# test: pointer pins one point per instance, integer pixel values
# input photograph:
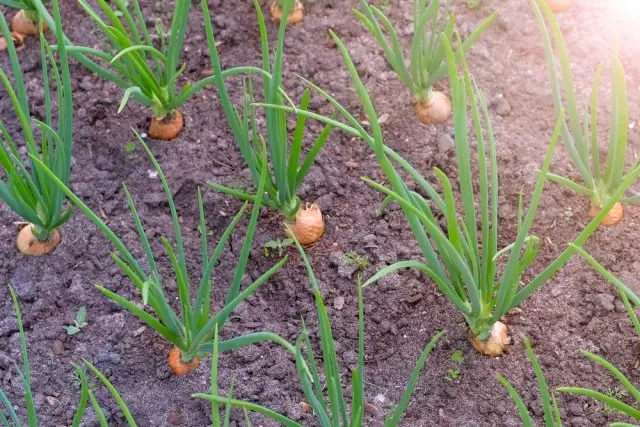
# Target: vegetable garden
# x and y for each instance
(369, 213)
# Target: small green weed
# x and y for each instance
(130, 147)
(78, 323)
(278, 245)
(453, 374)
(617, 393)
(354, 259)
(458, 357)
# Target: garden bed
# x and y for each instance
(575, 310)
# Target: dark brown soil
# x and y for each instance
(576, 310)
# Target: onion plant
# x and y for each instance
(580, 132)
(190, 328)
(8, 415)
(462, 261)
(323, 390)
(148, 72)
(144, 61)
(25, 188)
(24, 22)
(426, 64)
(289, 166)
(550, 410)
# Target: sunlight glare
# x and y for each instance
(627, 10)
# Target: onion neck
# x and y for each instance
(160, 108)
(40, 233)
(481, 325)
(32, 15)
(290, 208)
(424, 96)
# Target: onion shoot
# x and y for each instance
(426, 66)
(26, 189)
(23, 24)
(145, 65)
(289, 166)
(580, 132)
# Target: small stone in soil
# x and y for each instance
(175, 418)
(414, 298)
(380, 399)
(305, 407)
(445, 143)
(57, 347)
(503, 108)
(346, 271)
(604, 302)
(351, 164)
(575, 409)
(580, 421)
(338, 303)
(371, 409)
(325, 202)
(52, 401)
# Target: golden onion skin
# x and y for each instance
(436, 110)
(28, 244)
(295, 16)
(167, 129)
(497, 342)
(309, 225)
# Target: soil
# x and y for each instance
(575, 310)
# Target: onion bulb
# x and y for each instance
(177, 366)
(559, 5)
(436, 110)
(21, 24)
(28, 244)
(295, 16)
(167, 127)
(309, 225)
(18, 42)
(497, 342)
(614, 216)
